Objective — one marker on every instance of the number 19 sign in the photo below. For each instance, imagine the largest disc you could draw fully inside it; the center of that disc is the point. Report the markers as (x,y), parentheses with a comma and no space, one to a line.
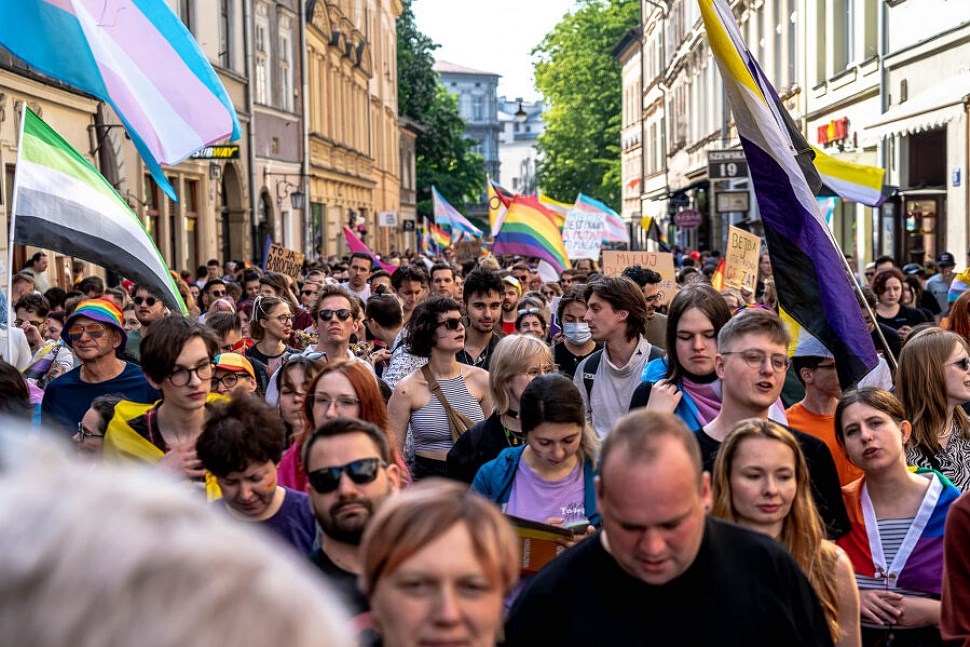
(726,165)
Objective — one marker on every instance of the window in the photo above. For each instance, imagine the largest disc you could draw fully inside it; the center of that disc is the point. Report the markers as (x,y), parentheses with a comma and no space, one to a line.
(778,16)
(264,92)
(225,34)
(286,69)
(190,204)
(185,13)
(478,108)
(792,51)
(171,257)
(153,199)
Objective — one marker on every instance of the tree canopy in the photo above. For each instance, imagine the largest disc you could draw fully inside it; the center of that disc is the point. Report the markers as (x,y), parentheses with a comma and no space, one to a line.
(577,74)
(443,153)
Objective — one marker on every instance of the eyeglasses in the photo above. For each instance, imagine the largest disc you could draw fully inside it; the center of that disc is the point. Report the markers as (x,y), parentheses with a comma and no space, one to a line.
(94,331)
(83,433)
(827,366)
(657,298)
(181,376)
(21,322)
(756,359)
(361,472)
(217,293)
(341,404)
(450,324)
(150,301)
(308,293)
(545,369)
(343,314)
(229,380)
(284,319)
(962,364)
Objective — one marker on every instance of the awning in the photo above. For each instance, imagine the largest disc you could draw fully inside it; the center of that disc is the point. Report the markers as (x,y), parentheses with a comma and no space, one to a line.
(928,110)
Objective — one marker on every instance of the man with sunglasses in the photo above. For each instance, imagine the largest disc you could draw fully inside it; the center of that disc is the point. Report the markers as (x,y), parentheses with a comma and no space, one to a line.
(350,471)
(335,314)
(95,333)
(751,363)
(212,290)
(148,309)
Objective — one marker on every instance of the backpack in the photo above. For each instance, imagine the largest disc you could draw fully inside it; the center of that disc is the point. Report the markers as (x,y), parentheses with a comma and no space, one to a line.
(593,364)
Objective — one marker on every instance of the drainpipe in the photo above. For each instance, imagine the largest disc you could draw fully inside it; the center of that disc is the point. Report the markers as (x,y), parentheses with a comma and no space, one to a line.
(304,123)
(250,135)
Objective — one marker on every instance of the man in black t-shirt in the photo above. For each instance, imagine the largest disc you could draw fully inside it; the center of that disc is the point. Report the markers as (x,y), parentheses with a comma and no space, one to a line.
(751,363)
(659,572)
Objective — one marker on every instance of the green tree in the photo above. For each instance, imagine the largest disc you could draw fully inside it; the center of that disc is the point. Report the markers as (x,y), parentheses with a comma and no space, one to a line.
(577,74)
(444,158)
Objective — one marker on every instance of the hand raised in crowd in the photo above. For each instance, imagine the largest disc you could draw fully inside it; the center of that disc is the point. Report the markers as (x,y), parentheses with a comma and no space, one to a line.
(380,356)
(183,461)
(881,607)
(34,338)
(664,396)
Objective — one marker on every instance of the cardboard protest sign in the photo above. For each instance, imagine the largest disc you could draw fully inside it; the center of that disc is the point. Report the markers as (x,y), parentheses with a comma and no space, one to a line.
(582,232)
(285,261)
(615,261)
(741,259)
(467,250)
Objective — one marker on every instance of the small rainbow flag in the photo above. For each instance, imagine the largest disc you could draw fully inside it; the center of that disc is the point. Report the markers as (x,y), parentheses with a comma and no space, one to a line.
(529,230)
(425,246)
(440,237)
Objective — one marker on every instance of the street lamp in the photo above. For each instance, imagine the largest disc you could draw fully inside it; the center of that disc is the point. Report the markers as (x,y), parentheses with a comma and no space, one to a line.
(520,114)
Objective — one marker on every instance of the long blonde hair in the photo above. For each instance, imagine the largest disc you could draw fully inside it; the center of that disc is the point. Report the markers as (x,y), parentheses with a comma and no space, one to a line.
(802,532)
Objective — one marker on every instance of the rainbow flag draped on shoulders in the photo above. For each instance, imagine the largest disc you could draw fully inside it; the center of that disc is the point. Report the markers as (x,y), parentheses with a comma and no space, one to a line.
(814,286)
(529,230)
(918,565)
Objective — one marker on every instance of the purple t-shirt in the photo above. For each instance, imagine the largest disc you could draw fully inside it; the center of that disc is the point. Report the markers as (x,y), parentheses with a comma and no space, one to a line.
(536,499)
(293,522)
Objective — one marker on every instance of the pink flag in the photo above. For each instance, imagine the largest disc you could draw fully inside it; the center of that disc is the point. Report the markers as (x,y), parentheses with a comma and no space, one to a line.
(357,245)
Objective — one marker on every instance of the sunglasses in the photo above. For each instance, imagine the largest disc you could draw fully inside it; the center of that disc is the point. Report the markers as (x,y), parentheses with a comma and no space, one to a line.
(343,314)
(308,293)
(450,324)
(150,301)
(963,364)
(361,472)
(94,331)
(529,311)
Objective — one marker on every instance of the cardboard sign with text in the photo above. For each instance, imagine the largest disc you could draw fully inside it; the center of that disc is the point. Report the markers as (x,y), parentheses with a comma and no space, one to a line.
(741,259)
(467,250)
(615,261)
(285,261)
(582,233)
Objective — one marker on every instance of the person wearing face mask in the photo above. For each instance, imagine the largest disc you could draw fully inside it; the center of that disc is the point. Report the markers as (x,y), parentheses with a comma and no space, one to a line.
(577,342)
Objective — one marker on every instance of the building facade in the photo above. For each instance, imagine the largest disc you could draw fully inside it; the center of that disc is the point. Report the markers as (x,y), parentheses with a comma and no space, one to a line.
(628,53)
(522,123)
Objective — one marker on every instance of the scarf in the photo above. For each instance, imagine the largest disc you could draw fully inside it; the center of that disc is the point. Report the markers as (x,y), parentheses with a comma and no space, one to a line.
(918,566)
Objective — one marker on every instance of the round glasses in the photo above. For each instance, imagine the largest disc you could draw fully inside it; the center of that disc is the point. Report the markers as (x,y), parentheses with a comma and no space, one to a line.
(181,376)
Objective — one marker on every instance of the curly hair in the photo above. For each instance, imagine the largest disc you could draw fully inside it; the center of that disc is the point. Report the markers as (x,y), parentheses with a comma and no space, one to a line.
(238,433)
(423,328)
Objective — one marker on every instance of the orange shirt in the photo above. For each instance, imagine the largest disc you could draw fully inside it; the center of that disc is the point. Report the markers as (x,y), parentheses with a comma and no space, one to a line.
(823,428)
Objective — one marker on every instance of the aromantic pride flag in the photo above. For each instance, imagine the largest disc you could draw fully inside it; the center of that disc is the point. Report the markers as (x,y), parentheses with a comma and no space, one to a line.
(529,230)
(814,287)
(61,202)
(140,58)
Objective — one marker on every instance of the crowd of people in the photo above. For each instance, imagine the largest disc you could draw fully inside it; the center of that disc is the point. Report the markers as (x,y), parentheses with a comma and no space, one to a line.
(715,483)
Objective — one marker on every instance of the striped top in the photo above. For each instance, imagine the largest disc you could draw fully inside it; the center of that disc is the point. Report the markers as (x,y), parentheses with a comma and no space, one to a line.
(429,424)
(891,533)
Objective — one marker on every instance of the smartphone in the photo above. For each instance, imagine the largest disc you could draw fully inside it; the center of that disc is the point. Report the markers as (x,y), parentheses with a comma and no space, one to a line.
(578,527)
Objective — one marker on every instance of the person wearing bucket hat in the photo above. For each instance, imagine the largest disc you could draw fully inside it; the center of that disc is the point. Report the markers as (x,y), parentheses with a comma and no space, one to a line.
(233,373)
(95,333)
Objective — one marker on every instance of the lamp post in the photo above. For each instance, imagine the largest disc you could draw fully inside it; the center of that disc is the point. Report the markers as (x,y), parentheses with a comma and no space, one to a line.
(520,114)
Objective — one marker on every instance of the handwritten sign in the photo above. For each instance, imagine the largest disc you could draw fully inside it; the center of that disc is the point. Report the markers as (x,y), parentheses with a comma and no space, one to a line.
(467,250)
(615,261)
(285,261)
(741,259)
(582,232)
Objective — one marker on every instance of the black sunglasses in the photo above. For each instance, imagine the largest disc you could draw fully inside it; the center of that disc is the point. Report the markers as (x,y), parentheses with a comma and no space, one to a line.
(361,472)
(450,324)
(343,314)
(149,301)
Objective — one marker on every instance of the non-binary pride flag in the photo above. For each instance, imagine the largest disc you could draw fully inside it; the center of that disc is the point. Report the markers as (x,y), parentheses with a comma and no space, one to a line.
(62,203)
(855,182)
(529,230)
(447,216)
(813,285)
(137,56)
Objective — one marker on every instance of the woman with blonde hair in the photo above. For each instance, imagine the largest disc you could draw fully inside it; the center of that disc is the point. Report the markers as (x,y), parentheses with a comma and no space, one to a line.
(438,546)
(761,481)
(515,362)
(933,382)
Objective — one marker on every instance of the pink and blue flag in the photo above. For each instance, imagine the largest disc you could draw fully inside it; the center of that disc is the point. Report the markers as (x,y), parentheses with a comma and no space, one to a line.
(449,218)
(138,57)
(614,230)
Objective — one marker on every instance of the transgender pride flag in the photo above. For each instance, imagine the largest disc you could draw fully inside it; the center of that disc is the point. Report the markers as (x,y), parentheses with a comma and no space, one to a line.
(138,57)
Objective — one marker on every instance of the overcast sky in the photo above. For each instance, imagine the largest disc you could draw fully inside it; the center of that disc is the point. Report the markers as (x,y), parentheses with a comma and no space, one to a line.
(493,36)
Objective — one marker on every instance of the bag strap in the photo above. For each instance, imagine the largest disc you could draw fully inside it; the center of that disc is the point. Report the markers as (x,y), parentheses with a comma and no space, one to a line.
(455,418)
(589,372)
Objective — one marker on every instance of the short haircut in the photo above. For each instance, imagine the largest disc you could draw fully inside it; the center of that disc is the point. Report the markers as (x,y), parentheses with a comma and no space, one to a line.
(55,297)
(635,436)
(867,297)
(437,267)
(249,277)
(408,273)
(413,519)
(555,398)
(622,294)
(385,309)
(342,426)
(24,278)
(575,294)
(330,290)
(482,282)
(378,274)
(757,321)
(883,276)
(164,340)
(423,326)
(363,255)
(642,275)
(520,266)
(104,406)
(798,362)
(92,284)
(33,303)
(512,356)
(238,433)
(223,323)
(213,261)
(885,259)
(138,286)
(212,282)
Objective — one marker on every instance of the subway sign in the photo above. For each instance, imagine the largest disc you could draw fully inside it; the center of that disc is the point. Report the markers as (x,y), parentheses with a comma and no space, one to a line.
(228,152)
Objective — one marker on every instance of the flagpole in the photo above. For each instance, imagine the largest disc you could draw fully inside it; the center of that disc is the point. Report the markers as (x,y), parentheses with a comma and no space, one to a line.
(10,242)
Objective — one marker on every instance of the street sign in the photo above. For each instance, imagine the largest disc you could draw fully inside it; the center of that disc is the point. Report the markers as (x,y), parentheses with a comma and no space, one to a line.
(387,219)
(407,225)
(726,165)
(728,201)
(688,219)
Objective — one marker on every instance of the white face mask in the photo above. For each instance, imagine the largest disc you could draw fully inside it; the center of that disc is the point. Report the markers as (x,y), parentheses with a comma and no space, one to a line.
(576,333)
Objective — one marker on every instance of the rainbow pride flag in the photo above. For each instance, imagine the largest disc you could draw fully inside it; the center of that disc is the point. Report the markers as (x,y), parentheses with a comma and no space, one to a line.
(556,208)
(530,230)
(439,236)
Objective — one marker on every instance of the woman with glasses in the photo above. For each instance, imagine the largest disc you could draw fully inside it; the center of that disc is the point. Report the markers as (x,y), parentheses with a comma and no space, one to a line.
(270,327)
(290,384)
(516,361)
(897,518)
(94,424)
(933,382)
(761,481)
(532,322)
(436,332)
